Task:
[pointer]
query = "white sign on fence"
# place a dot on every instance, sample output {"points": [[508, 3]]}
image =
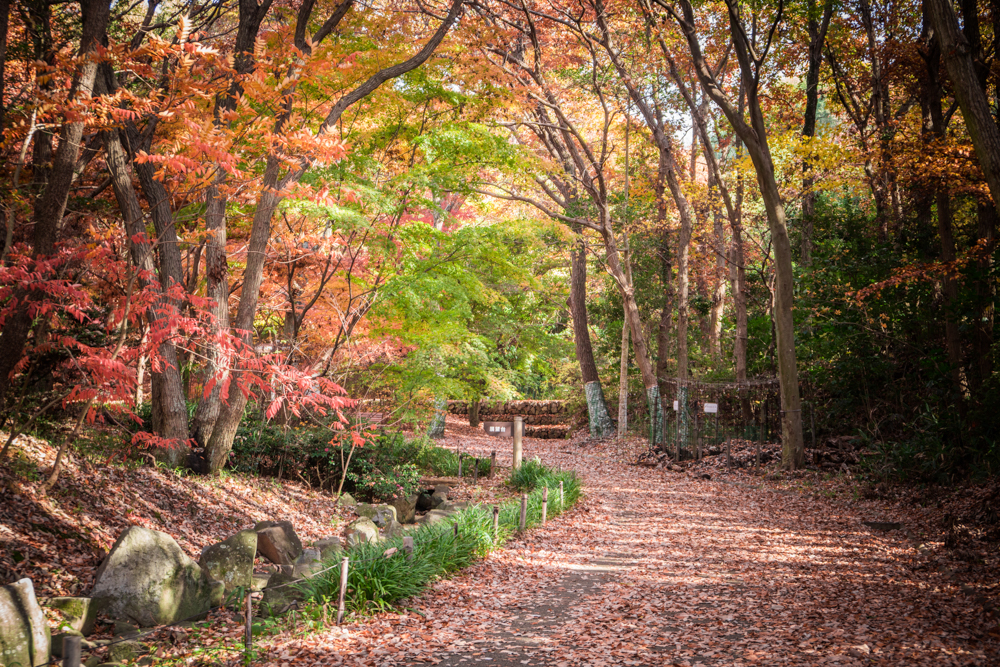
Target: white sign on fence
{"points": [[711, 407], [676, 405]]}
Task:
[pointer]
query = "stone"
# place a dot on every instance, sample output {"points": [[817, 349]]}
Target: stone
{"points": [[78, 613], [381, 515], [258, 581], [277, 542], [92, 661], [124, 651], [362, 531], [438, 499], [432, 517], [231, 561], [278, 596], [24, 633], [442, 489], [149, 580], [406, 508], [347, 500], [394, 529], [308, 564], [59, 638], [125, 629], [329, 548]]}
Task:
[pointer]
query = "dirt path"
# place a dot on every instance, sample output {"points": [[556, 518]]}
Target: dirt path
{"points": [[658, 568]]}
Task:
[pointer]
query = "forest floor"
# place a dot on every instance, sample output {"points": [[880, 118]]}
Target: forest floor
{"points": [[659, 567]]}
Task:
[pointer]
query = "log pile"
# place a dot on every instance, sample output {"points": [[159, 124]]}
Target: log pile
{"points": [[542, 419]]}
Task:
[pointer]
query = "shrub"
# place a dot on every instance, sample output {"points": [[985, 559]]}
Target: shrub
{"points": [[376, 580]]}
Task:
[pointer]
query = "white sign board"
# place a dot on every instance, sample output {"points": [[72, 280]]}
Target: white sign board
{"points": [[676, 405], [711, 407]]}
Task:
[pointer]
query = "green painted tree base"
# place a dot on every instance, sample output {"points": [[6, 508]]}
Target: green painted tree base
{"points": [[601, 425]]}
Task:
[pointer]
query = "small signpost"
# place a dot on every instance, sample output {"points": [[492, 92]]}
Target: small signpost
{"points": [[499, 429]]}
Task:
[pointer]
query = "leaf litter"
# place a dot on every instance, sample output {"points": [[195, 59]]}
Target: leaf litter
{"points": [[659, 567]]}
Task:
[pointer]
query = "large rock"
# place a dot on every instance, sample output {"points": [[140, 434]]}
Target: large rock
{"points": [[79, 614], [148, 579], [434, 516], [406, 508], [424, 502], [330, 548], [439, 498], [394, 529], [277, 542], [24, 632], [231, 561], [280, 593], [308, 564], [381, 515], [347, 500], [361, 531]]}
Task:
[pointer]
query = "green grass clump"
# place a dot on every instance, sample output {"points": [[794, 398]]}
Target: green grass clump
{"points": [[375, 580]]}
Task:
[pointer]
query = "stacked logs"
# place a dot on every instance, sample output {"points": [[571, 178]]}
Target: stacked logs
{"points": [[542, 419]]}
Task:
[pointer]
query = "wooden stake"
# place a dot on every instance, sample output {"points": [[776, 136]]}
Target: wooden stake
{"points": [[524, 511], [475, 473], [408, 546], [71, 651], [343, 590], [562, 498], [496, 523], [248, 630], [460, 466], [456, 531], [545, 503], [493, 463]]}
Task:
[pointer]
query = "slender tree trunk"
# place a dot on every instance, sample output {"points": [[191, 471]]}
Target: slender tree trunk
{"points": [[4, 24], [972, 100], [817, 26], [171, 419], [666, 280], [719, 293], [597, 409], [474, 412]]}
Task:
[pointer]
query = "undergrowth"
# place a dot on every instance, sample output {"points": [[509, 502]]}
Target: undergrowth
{"points": [[379, 576]]}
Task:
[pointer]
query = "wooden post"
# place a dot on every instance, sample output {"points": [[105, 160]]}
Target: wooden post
{"points": [[545, 503], [562, 498], [408, 546], [460, 466], [343, 590], [456, 531], [518, 432], [248, 630], [524, 512], [71, 651], [496, 523], [493, 463]]}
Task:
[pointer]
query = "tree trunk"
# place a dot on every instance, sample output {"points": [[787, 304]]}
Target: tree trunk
{"points": [[474, 413], [971, 96], [597, 408], [817, 27], [171, 418], [623, 385], [754, 137], [436, 428]]}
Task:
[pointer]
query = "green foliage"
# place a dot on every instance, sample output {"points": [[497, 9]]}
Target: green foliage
{"points": [[528, 475], [379, 576]]}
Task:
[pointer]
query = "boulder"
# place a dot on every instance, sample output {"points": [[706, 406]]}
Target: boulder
{"points": [[258, 581], [381, 515], [277, 542], [24, 632], [438, 499], [148, 579], [361, 531], [79, 614], [125, 651], [442, 489], [394, 529], [453, 508], [231, 561], [434, 516], [280, 593], [406, 508], [329, 548], [308, 564], [347, 500]]}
